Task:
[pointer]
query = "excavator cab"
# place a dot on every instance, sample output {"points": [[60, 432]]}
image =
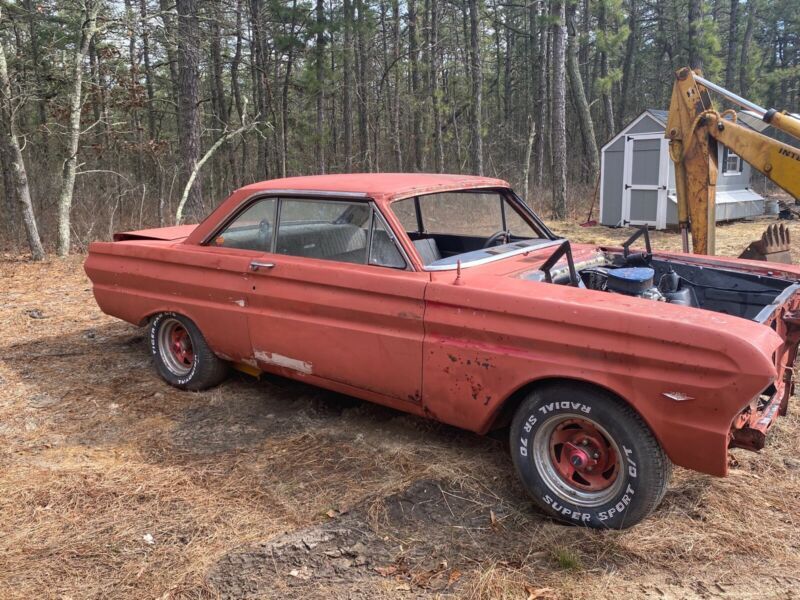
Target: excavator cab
{"points": [[694, 128]]}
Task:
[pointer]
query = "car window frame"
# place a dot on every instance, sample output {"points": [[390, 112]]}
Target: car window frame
{"points": [[518, 205], [280, 195]]}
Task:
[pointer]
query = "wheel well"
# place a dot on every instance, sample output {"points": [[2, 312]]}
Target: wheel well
{"points": [[509, 407], [148, 318], [145, 320]]}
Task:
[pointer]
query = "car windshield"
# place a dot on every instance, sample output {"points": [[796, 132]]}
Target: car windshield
{"points": [[465, 226]]}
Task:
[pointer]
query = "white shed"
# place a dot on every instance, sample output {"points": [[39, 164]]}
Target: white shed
{"points": [[637, 178]]}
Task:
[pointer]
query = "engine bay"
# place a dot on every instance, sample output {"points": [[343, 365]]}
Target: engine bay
{"points": [[640, 274]]}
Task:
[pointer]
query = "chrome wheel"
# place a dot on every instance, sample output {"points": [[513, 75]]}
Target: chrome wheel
{"points": [[577, 459], [175, 347]]}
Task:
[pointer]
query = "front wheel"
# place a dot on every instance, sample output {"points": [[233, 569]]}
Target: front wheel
{"points": [[182, 355], [587, 458]]}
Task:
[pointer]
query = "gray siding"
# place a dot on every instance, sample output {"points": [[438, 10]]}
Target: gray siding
{"points": [[646, 125], [734, 181]]}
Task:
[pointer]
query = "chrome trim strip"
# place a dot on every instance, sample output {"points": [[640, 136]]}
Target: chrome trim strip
{"points": [[277, 194], [496, 257], [313, 193], [393, 237]]}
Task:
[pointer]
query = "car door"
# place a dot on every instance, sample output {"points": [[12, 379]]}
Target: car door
{"points": [[336, 300]]}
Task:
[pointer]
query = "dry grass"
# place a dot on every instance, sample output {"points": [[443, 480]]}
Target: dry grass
{"points": [[97, 454]]}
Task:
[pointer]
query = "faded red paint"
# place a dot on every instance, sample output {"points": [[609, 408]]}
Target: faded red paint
{"points": [[419, 342]]}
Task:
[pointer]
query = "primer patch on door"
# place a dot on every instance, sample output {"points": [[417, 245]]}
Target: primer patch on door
{"points": [[279, 360]]}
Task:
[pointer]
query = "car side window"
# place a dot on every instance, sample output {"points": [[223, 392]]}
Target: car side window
{"points": [[323, 229], [250, 230], [384, 251]]}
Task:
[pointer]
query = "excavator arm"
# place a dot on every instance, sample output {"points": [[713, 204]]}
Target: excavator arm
{"points": [[694, 128]]}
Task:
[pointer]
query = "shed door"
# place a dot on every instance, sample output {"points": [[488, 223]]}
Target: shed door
{"points": [[646, 170]]}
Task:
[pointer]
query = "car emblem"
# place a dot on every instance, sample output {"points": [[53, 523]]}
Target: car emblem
{"points": [[677, 396]]}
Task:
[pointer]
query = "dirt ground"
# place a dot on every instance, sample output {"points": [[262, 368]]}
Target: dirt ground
{"points": [[113, 484]]}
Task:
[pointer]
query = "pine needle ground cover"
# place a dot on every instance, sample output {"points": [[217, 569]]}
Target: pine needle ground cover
{"points": [[114, 485]]}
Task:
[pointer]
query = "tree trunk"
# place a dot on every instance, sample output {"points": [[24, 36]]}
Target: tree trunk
{"points": [[526, 167], [220, 118], [347, 66], [413, 51], [13, 153], [477, 87], [319, 57], [362, 61], [148, 71], [285, 93], [88, 28], [189, 125], [583, 52], [542, 105], [559, 116], [438, 148], [41, 106], [608, 106], [396, 134], [730, 63], [693, 38], [238, 102], [628, 65], [582, 106], [745, 55], [169, 46]]}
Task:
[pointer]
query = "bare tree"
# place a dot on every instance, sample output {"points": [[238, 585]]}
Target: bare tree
{"points": [[730, 63], [438, 147], [476, 69], [748, 38], [347, 108], [581, 104], [558, 119], [89, 11], [12, 151], [320, 91], [413, 52], [189, 86]]}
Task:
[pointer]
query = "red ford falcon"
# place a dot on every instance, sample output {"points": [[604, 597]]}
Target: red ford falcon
{"points": [[445, 296]]}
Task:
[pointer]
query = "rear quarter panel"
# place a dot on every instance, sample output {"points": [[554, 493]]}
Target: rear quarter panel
{"points": [[136, 279]]}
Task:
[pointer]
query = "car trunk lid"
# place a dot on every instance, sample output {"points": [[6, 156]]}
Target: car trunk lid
{"points": [[167, 234]]}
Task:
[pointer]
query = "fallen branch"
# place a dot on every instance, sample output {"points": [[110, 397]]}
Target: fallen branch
{"points": [[199, 165]]}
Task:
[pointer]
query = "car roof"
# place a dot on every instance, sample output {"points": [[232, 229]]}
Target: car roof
{"points": [[381, 187]]}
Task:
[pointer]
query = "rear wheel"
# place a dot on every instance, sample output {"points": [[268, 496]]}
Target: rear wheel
{"points": [[587, 458], [182, 355]]}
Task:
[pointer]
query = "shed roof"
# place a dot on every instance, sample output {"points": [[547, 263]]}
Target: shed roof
{"points": [[658, 115], [661, 116]]}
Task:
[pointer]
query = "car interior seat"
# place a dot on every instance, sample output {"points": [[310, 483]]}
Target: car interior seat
{"points": [[428, 250]]}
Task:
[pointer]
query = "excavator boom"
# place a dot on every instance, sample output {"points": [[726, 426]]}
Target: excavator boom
{"points": [[694, 127]]}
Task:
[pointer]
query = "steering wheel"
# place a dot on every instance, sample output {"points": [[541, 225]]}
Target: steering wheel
{"points": [[496, 237], [265, 234]]}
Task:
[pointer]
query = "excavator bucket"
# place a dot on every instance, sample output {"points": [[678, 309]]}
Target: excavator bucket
{"points": [[774, 246]]}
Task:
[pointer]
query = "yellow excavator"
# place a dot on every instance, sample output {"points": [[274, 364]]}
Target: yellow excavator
{"points": [[694, 127]]}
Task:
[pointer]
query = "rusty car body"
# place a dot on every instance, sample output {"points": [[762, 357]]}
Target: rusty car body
{"points": [[574, 346]]}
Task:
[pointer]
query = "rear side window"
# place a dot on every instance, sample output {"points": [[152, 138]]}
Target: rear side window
{"points": [[323, 229], [351, 232], [252, 229]]}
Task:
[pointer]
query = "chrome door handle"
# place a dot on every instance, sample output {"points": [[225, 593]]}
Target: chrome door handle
{"points": [[256, 265]]}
